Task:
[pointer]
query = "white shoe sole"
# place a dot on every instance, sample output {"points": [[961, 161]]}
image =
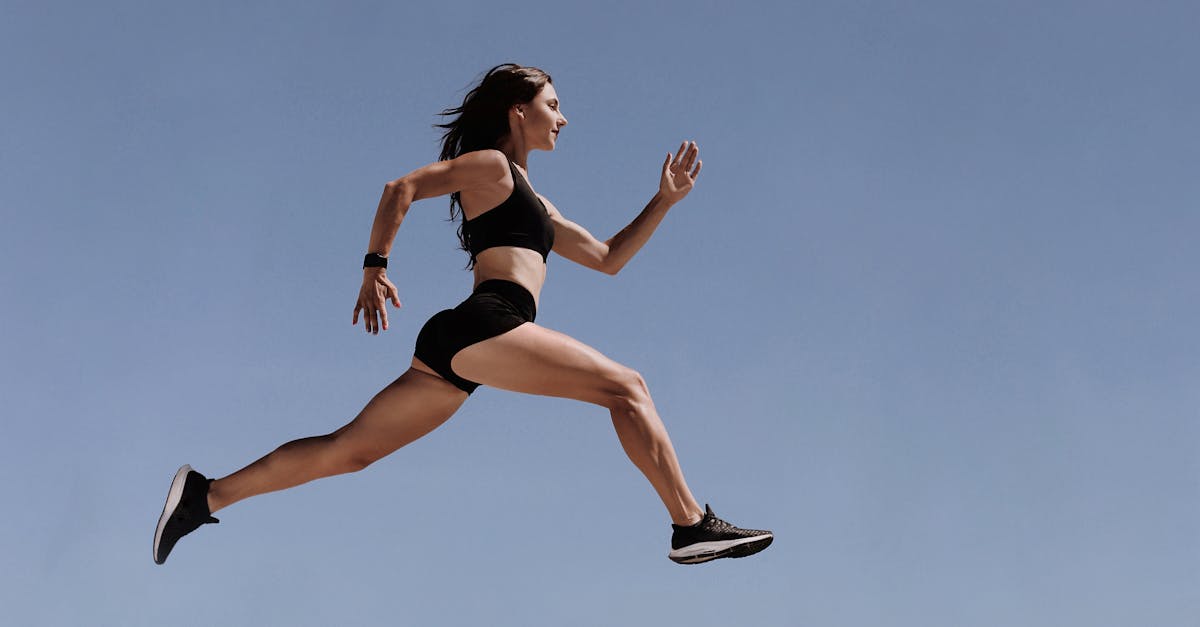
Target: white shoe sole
{"points": [[173, 497], [708, 551]]}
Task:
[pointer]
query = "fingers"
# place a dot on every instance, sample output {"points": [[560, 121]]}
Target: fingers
{"points": [[389, 293], [689, 159], [392, 295], [372, 302], [370, 318], [376, 317], [686, 157], [696, 174], [679, 155]]}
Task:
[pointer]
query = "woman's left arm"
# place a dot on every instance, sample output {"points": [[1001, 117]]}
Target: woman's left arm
{"points": [[577, 244]]}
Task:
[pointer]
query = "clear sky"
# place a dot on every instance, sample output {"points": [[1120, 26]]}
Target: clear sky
{"points": [[930, 313]]}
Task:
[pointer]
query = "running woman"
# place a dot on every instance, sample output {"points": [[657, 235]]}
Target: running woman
{"points": [[490, 338]]}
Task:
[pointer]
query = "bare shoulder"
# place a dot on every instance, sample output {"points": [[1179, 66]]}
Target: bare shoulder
{"points": [[476, 170], [488, 163]]}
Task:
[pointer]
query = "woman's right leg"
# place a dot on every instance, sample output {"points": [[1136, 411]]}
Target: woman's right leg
{"points": [[409, 408], [537, 360]]}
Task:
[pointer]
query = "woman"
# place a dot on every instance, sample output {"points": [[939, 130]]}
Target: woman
{"points": [[490, 338]]}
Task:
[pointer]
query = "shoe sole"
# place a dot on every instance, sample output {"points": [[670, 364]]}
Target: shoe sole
{"points": [[708, 551], [173, 498]]}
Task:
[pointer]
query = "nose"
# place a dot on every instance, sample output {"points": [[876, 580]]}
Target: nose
{"points": [[562, 119]]}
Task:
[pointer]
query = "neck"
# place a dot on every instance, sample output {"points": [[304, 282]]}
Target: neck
{"points": [[517, 153]]}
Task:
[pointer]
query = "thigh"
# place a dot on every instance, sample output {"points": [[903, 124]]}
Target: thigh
{"points": [[537, 360], [408, 408]]}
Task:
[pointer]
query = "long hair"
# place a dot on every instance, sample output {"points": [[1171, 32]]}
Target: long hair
{"points": [[482, 120]]}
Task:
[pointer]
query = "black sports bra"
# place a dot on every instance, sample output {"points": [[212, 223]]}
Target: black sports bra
{"points": [[521, 220]]}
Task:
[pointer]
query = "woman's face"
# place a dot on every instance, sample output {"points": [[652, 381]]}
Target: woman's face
{"points": [[541, 118]]}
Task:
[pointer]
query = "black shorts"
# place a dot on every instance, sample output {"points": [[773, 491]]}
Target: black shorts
{"points": [[495, 307]]}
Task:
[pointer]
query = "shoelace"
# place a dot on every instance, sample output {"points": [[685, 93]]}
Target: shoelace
{"points": [[718, 525]]}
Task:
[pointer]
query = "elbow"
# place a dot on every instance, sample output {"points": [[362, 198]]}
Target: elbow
{"points": [[611, 269], [400, 189], [608, 263]]}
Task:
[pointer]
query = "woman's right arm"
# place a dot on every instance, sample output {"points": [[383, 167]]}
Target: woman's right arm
{"points": [[470, 171]]}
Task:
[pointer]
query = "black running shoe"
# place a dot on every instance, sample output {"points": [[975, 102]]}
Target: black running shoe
{"points": [[186, 509], [713, 538]]}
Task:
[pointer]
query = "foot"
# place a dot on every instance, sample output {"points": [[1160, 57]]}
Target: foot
{"points": [[186, 509], [713, 538]]}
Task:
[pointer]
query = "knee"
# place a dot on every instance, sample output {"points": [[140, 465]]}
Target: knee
{"points": [[347, 458], [355, 462], [627, 392]]}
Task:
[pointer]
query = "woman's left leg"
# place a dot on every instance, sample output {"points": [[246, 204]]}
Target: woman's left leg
{"points": [[404, 411], [409, 408]]}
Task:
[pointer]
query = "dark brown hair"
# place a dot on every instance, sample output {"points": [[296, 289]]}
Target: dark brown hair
{"points": [[482, 120]]}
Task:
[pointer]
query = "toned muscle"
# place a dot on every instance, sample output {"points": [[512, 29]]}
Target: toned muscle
{"points": [[511, 263]]}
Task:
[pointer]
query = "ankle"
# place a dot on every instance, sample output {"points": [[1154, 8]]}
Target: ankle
{"points": [[213, 498], [690, 519]]}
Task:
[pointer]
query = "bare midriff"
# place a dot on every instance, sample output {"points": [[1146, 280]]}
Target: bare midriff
{"points": [[522, 266]]}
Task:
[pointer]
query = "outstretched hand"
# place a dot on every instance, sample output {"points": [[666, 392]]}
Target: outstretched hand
{"points": [[372, 300], [678, 177]]}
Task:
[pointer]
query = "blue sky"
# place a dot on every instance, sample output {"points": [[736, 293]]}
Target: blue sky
{"points": [[929, 314]]}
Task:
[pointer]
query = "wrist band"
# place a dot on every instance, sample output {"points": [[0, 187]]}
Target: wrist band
{"points": [[374, 260]]}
